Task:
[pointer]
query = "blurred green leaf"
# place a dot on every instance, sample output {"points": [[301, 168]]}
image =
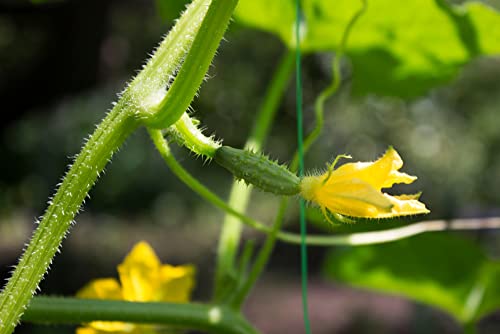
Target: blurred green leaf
{"points": [[441, 270], [276, 17], [396, 49]]}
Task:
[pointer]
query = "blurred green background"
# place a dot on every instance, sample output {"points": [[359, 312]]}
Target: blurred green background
{"points": [[61, 66]]}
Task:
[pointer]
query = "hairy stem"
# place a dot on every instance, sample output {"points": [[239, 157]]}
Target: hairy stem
{"points": [[48, 236], [194, 68], [187, 132], [210, 318]]}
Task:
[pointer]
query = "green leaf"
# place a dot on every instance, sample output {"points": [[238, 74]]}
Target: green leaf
{"points": [[276, 17], [396, 49], [440, 270]]}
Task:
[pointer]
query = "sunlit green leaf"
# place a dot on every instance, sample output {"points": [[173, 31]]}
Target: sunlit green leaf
{"points": [[441, 270], [277, 17], [396, 48]]}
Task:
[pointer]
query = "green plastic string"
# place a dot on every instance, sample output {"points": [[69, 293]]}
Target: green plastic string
{"points": [[300, 139]]}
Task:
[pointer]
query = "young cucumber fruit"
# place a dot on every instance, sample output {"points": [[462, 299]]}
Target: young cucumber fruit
{"points": [[257, 169]]}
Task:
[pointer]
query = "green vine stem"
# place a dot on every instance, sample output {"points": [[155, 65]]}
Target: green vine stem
{"points": [[47, 238], [150, 86], [144, 93], [194, 68], [187, 133], [209, 318], [240, 193]]}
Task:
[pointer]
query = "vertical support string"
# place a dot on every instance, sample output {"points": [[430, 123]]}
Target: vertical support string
{"points": [[300, 135]]}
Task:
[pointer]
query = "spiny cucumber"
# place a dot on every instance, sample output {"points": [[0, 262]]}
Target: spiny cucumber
{"points": [[257, 169]]}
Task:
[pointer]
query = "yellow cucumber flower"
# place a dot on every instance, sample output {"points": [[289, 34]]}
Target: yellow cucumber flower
{"points": [[143, 278], [355, 189]]}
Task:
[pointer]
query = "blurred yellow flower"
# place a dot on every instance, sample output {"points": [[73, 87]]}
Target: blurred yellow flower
{"points": [[355, 189], [143, 278]]}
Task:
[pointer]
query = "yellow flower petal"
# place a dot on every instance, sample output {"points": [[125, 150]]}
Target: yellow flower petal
{"points": [[102, 327], [176, 283], [130, 329], [139, 273], [408, 196], [404, 206], [143, 278], [354, 189], [103, 288], [382, 173], [353, 198]]}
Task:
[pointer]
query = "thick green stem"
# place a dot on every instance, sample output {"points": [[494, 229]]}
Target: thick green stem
{"points": [[209, 318], [47, 238], [150, 86], [240, 193], [194, 68]]}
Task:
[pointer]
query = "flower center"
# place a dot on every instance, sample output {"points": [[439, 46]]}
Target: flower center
{"points": [[309, 186]]}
